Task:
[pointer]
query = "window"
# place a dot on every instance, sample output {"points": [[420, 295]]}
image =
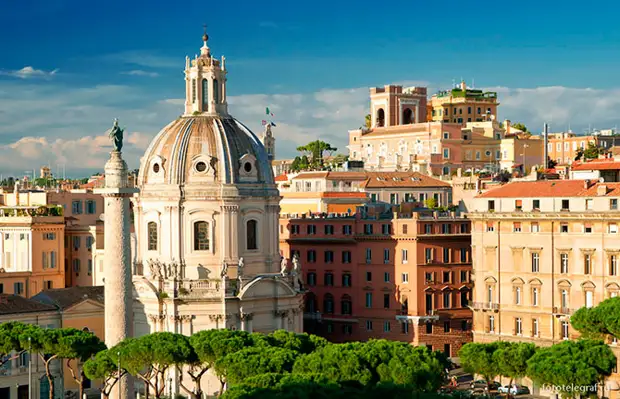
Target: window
{"points": [[535, 327], [519, 205], [490, 227], [516, 227], [564, 298], [368, 325], [613, 204], [535, 296], [369, 299], [329, 229], [386, 301], [18, 288], [201, 236], [464, 276], [347, 329], [386, 277], [48, 284], [294, 229], [329, 256], [404, 327], [91, 207], [152, 232], [429, 277], [463, 228], [328, 304], [491, 324], [386, 228], [564, 228], [534, 227], [564, 263], [89, 242], [535, 262], [589, 204], [77, 241], [252, 234], [346, 305], [386, 255], [446, 277], [346, 280], [346, 256], [536, 204], [312, 279], [368, 255], [477, 155], [447, 300], [613, 228], [464, 299], [90, 267], [613, 265], [404, 256], [49, 236], [368, 276], [311, 256], [446, 135], [76, 266], [428, 254], [394, 198], [518, 326], [429, 328], [446, 326], [328, 279], [76, 207], [347, 229], [445, 228], [330, 327], [587, 263], [564, 330], [429, 303], [311, 229], [565, 205], [446, 153], [373, 197], [491, 205], [517, 295], [368, 228], [428, 229], [404, 277], [490, 293]]}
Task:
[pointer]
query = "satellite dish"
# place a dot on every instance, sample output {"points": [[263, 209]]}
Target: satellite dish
{"points": [[601, 180], [102, 217]]}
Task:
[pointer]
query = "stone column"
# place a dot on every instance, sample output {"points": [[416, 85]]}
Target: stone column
{"points": [[117, 261]]}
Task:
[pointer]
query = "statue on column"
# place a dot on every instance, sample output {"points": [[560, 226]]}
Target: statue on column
{"points": [[296, 273], [224, 273], [116, 135], [284, 266]]}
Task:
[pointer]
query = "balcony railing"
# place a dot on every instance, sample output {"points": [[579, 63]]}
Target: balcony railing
{"points": [[484, 305], [560, 310]]}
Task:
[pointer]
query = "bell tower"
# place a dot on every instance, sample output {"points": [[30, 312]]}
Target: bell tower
{"points": [[205, 83], [269, 142]]}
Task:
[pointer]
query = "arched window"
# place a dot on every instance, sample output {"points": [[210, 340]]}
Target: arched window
{"points": [[311, 303], [380, 122], [346, 305], [407, 116], [152, 232], [328, 303], [201, 236], [251, 234], [205, 94], [404, 304], [216, 91], [193, 90]]}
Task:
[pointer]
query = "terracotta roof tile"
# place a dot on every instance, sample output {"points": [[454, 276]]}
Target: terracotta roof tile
{"points": [[64, 298], [310, 175], [550, 188], [597, 164], [11, 304], [282, 177]]}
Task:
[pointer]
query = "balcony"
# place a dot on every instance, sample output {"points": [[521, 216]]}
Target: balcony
{"points": [[484, 306], [563, 311]]}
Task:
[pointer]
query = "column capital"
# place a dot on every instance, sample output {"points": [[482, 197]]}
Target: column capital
{"points": [[230, 208]]}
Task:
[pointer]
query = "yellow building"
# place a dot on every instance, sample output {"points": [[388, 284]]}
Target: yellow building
{"points": [[541, 250], [462, 104]]}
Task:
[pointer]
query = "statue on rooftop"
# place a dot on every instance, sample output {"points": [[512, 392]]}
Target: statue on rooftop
{"points": [[116, 135]]}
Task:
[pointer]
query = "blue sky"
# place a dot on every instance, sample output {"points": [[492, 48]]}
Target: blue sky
{"points": [[312, 63]]}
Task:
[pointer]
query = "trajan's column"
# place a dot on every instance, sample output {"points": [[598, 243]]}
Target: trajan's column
{"points": [[117, 261]]}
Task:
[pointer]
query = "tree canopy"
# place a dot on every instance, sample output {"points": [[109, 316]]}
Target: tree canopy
{"points": [[315, 151], [519, 126]]}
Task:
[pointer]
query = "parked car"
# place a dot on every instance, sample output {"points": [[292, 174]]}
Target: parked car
{"points": [[482, 384], [514, 389]]}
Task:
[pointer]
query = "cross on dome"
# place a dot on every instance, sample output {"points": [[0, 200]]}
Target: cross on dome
{"points": [[205, 38]]}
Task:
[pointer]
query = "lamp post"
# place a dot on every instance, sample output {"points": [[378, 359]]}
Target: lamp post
{"points": [[29, 368], [524, 148], [119, 376], [170, 385]]}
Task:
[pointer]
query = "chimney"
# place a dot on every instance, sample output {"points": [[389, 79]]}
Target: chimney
{"points": [[507, 126], [586, 184], [601, 190]]}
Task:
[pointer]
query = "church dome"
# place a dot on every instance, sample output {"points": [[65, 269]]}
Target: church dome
{"points": [[206, 144], [204, 149]]}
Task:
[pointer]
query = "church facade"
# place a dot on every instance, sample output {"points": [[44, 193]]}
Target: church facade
{"points": [[206, 222]]}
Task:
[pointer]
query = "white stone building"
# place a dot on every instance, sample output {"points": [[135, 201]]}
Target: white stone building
{"points": [[206, 222]]}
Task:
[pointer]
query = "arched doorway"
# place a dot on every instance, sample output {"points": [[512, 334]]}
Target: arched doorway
{"points": [[380, 121], [407, 116]]}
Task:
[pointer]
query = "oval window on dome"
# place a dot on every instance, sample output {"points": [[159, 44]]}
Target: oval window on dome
{"points": [[247, 167], [156, 168], [201, 166]]}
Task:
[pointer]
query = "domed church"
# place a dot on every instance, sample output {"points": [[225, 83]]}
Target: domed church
{"points": [[206, 222]]}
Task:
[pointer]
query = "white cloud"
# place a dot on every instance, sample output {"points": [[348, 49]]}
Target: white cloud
{"points": [[140, 72], [29, 72], [143, 58]]}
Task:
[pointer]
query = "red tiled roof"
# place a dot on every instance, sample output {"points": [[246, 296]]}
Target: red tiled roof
{"points": [[597, 164], [282, 177], [550, 188], [310, 175]]}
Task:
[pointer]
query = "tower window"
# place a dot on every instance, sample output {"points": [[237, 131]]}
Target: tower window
{"points": [[216, 91], [247, 167], [201, 166], [205, 94], [201, 236], [251, 234], [193, 90], [407, 116], [152, 231]]}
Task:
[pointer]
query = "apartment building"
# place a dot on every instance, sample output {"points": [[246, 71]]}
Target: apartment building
{"points": [[400, 273], [462, 104], [541, 250]]}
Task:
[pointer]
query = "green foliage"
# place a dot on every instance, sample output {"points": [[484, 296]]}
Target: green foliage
{"points": [[301, 343], [101, 366], [592, 151], [519, 126], [368, 121], [478, 358], [511, 359], [430, 203], [569, 364], [316, 149], [254, 361], [300, 164], [551, 163]]}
